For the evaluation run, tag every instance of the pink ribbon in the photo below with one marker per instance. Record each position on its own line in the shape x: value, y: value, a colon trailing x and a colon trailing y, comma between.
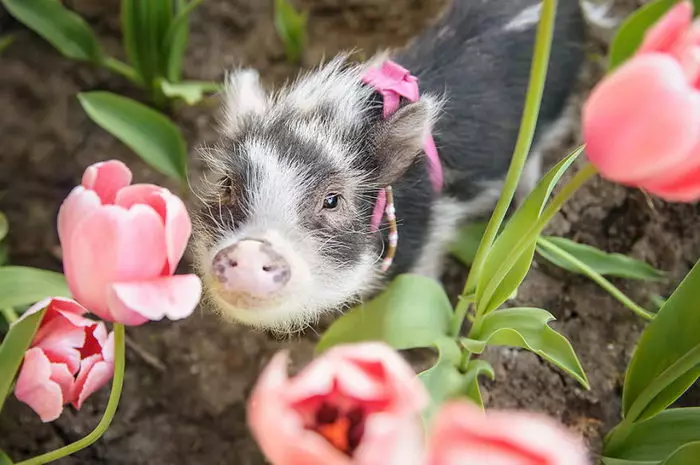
x: 393, y: 82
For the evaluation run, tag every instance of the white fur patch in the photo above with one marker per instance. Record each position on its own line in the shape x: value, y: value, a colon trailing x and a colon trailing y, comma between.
x: 525, y: 19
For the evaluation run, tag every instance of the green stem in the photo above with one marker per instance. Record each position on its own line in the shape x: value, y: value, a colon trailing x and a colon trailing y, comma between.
x: 460, y: 313
x: 9, y: 314
x: 596, y: 277
x: 538, y: 75
x: 112, y: 404
x: 121, y: 68
x: 567, y: 191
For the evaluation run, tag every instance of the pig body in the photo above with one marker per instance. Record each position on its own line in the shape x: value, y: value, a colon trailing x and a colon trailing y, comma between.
x: 284, y: 233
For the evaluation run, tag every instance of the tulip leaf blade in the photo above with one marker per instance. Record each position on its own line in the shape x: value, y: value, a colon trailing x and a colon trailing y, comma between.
x: 475, y: 369
x: 604, y: 263
x: 16, y: 342
x: 666, y: 361
x: 62, y: 28
x: 631, y: 32
x: 442, y: 379
x: 687, y: 454
x: 413, y: 311
x: 527, y: 328
x: 191, y: 92
x: 466, y: 244
x: 655, y: 439
x: 291, y: 28
x: 147, y: 132
x: 23, y: 285
x: 492, y: 292
x: 5, y: 459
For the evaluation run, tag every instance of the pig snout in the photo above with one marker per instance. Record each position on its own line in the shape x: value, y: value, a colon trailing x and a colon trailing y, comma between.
x: 251, y: 267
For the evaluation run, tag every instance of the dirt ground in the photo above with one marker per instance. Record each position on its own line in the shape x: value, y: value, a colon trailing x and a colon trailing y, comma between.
x: 187, y: 382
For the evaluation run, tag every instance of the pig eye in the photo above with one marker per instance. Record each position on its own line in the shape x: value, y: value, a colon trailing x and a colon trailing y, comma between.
x: 331, y: 201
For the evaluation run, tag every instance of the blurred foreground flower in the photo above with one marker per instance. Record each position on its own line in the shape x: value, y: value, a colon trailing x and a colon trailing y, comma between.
x: 463, y: 434
x: 70, y: 358
x: 641, y: 124
x: 121, y: 245
x: 356, y: 404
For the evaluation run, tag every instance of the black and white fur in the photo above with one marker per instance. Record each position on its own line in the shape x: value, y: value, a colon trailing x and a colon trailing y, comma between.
x: 280, y: 155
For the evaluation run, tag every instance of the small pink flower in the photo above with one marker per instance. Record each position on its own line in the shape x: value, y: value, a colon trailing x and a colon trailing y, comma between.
x: 641, y: 124
x: 70, y: 358
x: 462, y: 434
x: 121, y: 245
x: 357, y: 404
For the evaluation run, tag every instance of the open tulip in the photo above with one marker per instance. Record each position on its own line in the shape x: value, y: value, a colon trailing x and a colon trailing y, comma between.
x: 356, y: 404
x: 121, y: 245
x: 641, y: 124
x: 70, y: 358
x: 462, y: 434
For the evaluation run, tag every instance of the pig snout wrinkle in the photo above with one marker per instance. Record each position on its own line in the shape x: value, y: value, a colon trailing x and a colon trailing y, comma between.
x: 251, y: 267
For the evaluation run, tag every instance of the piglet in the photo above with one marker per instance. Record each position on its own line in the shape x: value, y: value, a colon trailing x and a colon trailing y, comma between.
x: 320, y: 193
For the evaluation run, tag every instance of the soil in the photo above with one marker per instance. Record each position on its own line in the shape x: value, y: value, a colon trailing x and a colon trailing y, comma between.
x: 187, y: 382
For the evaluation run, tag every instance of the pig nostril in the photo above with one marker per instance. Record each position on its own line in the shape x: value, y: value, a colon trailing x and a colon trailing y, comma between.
x: 232, y: 263
x: 267, y: 268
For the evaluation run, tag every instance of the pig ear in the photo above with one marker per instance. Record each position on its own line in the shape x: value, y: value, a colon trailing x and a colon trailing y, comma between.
x: 402, y: 137
x: 245, y: 97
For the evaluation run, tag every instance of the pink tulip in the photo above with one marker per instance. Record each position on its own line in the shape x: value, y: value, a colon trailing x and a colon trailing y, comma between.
x: 641, y: 124
x: 70, y: 358
x: 462, y: 434
x: 121, y: 244
x: 356, y: 404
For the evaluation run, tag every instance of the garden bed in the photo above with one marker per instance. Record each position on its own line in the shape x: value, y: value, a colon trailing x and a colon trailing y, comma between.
x: 187, y: 382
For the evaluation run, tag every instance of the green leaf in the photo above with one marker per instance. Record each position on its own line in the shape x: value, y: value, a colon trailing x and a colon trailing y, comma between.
x: 6, y: 41
x: 685, y: 455
x: 190, y: 91
x: 465, y: 246
x: 65, y: 30
x: 606, y: 264
x: 631, y: 32
x: 4, y: 229
x: 144, y: 25
x: 22, y: 285
x: 655, y: 439
x: 13, y: 347
x: 527, y: 328
x: 666, y: 361
x: 413, y: 311
x: 291, y: 27
x: 176, y: 41
x: 5, y: 459
x: 443, y: 380
x: 148, y: 133
x: 491, y: 294
x: 474, y: 370
x: 4, y: 226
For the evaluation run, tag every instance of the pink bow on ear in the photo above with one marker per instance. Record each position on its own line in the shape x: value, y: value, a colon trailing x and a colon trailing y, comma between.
x: 393, y: 81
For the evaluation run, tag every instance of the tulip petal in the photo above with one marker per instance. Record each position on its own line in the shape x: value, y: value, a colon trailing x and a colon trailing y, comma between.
x: 111, y: 245
x: 35, y: 388
x: 64, y: 378
x: 95, y: 372
x: 387, y: 441
x: 682, y: 188
x: 106, y: 179
x: 178, y: 226
x: 78, y: 205
x: 174, y: 297
x: 630, y: 138
x: 462, y: 433
x: 668, y: 30
x: 278, y: 429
